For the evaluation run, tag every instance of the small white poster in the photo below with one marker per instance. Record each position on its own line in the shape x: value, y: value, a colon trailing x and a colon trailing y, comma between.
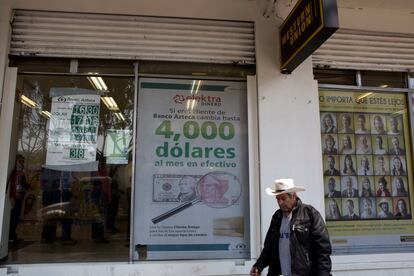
x: 117, y: 145
x: 73, y: 130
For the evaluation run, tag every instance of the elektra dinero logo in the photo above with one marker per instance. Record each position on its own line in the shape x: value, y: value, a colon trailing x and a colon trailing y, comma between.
x: 202, y: 99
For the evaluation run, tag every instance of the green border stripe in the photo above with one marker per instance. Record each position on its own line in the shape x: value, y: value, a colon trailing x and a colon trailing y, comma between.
x: 181, y: 86
x: 188, y: 247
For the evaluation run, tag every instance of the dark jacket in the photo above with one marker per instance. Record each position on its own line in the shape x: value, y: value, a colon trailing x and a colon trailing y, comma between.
x: 310, y: 247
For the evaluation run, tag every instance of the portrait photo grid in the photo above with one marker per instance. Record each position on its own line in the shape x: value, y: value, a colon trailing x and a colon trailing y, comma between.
x: 364, y: 166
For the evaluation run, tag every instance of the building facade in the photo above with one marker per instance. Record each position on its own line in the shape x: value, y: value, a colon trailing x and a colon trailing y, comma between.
x: 147, y: 132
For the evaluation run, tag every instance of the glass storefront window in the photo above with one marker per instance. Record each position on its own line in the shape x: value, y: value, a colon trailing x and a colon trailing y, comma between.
x: 367, y: 164
x: 340, y: 77
x: 384, y: 79
x: 72, y: 183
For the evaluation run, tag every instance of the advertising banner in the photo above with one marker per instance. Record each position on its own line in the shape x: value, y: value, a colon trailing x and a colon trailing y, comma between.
x: 367, y: 171
x: 191, y: 181
x: 73, y: 130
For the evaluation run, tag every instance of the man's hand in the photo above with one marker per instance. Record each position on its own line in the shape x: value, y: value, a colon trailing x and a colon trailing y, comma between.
x: 254, y: 271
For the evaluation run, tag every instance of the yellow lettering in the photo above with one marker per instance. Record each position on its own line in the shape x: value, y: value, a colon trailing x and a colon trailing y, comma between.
x: 302, y: 21
x: 308, y: 14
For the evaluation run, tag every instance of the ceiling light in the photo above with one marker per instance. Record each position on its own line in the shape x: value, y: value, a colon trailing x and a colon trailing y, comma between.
x: 384, y: 85
x: 97, y: 83
x: 120, y: 116
x: 110, y: 103
x: 27, y: 101
x: 364, y: 95
x: 45, y: 113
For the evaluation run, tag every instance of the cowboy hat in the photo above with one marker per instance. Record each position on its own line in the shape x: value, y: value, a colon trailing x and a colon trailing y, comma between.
x: 283, y: 186
x: 382, y: 202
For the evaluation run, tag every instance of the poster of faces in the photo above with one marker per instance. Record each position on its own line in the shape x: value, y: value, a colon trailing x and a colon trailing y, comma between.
x: 365, y: 166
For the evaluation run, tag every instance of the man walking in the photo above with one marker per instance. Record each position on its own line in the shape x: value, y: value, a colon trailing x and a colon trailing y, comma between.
x: 297, y: 242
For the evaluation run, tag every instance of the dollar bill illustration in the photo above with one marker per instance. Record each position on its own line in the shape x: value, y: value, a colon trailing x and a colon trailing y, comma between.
x: 174, y: 187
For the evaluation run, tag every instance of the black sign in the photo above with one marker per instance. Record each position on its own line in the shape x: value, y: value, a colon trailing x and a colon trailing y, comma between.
x: 309, y: 24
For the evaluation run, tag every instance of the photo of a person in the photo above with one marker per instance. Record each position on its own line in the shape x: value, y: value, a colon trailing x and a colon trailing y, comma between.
x: 213, y: 189
x: 381, y: 165
x: 332, y: 209
x: 348, y: 165
x: 346, y: 144
x: 397, y: 165
x: 364, y: 145
x: 349, y: 186
x: 349, y: 210
x: 361, y: 124
x: 365, y: 187
x: 187, y: 187
x: 329, y: 144
x: 394, y: 146
x: 378, y: 126
x: 328, y: 123
x: 367, y: 208
x: 380, y: 144
x: 331, y: 188
x: 364, y: 165
x: 330, y: 166
x: 394, y: 125
x: 401, y: 208
x: 399, y: 187
x: 382, y: 189
x: 346, y: 123
x: 384, y: 209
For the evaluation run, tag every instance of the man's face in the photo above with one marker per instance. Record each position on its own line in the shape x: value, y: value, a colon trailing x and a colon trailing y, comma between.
x: 378, y: 124
x: 394, y: 124
x: 381, y: 163
x: 331, y: 162
x: 286, y: 202
x: 346, y: 121
x: 367, y: 206
x: 349, y: 183
x: 329, y: 142
x: 364, y: 162
x: 361, y: 122
x: 395, y: 142
x: 331, y: 185
x: 187, y: 185
x: 384, y: 207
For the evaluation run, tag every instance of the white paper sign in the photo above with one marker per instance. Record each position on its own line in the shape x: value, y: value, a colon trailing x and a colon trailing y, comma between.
x: 73, y: 131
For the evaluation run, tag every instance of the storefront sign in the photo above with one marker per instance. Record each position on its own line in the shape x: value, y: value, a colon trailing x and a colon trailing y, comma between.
x: 310, y: 23
x: 73, y: 130
x: 368, y: 172
x: 191, y: 188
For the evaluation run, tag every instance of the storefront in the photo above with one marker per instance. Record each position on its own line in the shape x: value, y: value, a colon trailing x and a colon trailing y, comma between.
x: 147, y: 133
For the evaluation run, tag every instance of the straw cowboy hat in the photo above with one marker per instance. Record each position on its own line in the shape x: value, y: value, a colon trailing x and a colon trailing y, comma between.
x: 382, y: 202
x: 283, y: 186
